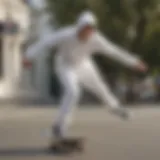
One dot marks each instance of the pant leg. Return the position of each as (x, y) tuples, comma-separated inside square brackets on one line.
[(71, 93), (90, 78)]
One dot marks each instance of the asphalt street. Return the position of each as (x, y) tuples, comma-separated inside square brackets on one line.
[(24, 134)]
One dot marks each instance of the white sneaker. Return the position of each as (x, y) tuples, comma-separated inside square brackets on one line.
[(123, 113)]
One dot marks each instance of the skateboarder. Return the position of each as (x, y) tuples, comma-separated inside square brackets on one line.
[(74, 66)]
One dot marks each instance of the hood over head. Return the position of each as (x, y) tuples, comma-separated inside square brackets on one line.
[(86, 18)]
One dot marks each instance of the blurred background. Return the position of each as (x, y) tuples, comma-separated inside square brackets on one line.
[(29, 95), (134, 25)]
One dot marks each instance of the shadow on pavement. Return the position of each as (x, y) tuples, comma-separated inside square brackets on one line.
[(30, 152)]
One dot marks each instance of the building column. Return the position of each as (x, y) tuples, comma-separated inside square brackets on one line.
[(17, 59), (9, 80), (7, 58)]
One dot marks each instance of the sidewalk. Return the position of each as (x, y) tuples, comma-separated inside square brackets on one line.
[(29, 97), (12, 94)]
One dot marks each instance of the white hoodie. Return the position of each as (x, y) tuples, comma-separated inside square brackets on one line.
[(72, 51)]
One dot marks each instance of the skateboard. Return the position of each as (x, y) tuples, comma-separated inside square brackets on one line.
[(68, 145)]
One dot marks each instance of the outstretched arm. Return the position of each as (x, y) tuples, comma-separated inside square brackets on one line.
[(47, 42), (113, 51)]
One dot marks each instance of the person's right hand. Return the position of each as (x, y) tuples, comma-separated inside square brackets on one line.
[(26, 63)]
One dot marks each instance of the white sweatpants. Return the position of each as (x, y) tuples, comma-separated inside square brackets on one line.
[(71, 79)]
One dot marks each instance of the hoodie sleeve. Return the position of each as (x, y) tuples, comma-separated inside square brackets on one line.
[(111, 50), (45, 43)]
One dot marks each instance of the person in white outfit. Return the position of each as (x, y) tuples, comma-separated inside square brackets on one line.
[(74, 66)]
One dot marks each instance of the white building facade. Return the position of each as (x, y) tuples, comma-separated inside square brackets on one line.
[(12, 12)]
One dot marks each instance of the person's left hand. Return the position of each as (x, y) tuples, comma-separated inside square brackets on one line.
[(142, 67)]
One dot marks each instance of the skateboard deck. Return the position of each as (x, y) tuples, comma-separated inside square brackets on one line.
[(68, 145)]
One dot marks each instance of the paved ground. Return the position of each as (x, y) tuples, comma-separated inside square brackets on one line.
[(23, 134)]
